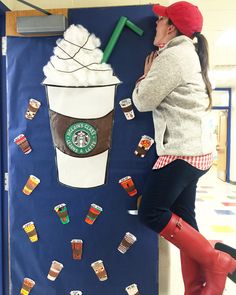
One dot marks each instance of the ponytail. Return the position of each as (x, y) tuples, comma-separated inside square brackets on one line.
[(202, 51)]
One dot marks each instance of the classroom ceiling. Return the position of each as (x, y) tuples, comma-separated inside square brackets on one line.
[(219, 22)]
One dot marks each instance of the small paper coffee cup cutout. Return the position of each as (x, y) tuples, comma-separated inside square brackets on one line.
[(62, 213), (127, 241), (127, 108), (27, 286), (54, 270), (31, 232), (99, 270), (31, 184), (93, 213), (23, 144), (77, 249), (32, 108), (128, 184), (132, 290), (143, 146)]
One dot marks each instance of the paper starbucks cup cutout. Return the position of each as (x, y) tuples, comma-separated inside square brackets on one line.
[(62, 213), (133, 212), (27, 286), (32, 109), (80, 92), (128, 185), (31, 184), (54, 270), (132, 290), (93, 213), (127, 108), (127, 241), (31, 232), (99, 270), (23, 144), (77, 249), (76, 292), (143, 146)]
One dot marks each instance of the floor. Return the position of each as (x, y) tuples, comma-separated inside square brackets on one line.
[(216, 216)]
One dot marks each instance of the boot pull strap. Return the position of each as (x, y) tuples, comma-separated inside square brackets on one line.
[(178, 227)]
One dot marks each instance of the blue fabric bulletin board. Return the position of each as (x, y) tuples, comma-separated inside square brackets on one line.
[(25, 60), (3, 167)]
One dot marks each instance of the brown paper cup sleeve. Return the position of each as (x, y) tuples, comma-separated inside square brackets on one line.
[(32, 109), (140, 150), (92, 215), (53, 273), (62, 214), (126, 244), (127, 109), (32, 233), (130, 188), (60, 124)]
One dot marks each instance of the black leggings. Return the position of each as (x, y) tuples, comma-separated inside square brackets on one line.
[(170, 189)]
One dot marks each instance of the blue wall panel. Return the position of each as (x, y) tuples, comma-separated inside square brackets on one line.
[(25, 60), (3, 168)]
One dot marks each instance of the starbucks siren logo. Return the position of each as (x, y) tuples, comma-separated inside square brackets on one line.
[(81, 138)]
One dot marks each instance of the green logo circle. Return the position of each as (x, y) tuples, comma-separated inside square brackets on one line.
[(81, 138)]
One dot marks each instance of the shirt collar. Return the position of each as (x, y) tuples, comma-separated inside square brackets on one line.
[(176, 41)]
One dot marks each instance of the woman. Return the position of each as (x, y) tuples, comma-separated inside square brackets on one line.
[(176, 88)]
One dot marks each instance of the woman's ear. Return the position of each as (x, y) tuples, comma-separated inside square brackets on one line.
[(171, 29)]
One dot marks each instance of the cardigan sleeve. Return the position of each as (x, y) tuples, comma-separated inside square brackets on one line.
[(163, 77)]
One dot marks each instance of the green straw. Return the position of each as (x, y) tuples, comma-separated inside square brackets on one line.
[(123, 21)]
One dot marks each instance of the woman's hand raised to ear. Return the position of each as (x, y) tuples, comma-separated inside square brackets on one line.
[(149, 60)]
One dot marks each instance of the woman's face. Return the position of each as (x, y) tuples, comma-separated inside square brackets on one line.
[(162, 29)]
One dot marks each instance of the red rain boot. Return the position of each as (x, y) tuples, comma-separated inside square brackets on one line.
[(216, 264), (193, 275)]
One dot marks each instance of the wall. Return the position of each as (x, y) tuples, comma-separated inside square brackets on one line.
[(233, 137), (9, 3), (224, 76), (78, 3), (3, 166)]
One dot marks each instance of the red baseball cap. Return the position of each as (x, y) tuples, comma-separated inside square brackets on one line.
[(185, 16)]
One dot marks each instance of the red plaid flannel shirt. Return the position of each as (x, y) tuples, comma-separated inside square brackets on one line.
[(200, 162)]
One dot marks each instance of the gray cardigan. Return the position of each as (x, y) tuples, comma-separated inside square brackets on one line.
[(176, 94)]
